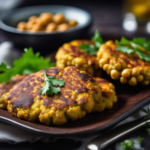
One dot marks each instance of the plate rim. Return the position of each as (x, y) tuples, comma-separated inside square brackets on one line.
[(81, 131)]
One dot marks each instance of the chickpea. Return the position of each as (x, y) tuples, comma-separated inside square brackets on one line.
[(62, 27), (33, 19), (72, 23), (145, 82), (105, 67), (123, 80), (102, 62), (114, 74), (51, 27), (59, 18), (133, 81), (46, 18), (109, 43), (147, 76), (140, 78), (109, 69), (21, 26), (117, 66), (126, 73), (35, 28), (123, 66), (135, 71)]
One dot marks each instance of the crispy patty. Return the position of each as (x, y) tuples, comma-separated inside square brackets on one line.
[(77, 98), (127, 68), (70, 55), (108, 95), (5, 88)]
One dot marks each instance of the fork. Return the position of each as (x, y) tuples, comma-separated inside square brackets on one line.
[(109, 137)]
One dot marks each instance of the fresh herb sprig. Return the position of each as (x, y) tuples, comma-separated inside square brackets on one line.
[(28, 63), (127, 144), (92, 49), (49, 83), (135, 45), (140, 139)]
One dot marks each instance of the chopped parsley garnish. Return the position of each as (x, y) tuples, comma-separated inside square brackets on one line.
[(114, 55), (135, 45), (92, 49), (49, 83), (28, 63), (140, 139), (147, 111), (127, 144)]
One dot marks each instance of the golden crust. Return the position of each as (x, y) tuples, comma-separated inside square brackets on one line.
[(5, 87), (124, 67), (77, 98), (70, 55), (108, 95)]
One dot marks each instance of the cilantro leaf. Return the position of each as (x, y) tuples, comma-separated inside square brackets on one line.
[(142, 42), (127, 144), (53, 90), (114, 55), (137, 45), (97, 39), (28, 63), (49, 82), (3, 67), (92, 49), (148, 129), (140, 139), (147, 111), (88, 48), (125, 49)]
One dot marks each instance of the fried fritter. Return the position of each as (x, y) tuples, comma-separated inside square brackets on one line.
[(124, 67), (77, 98), (70, 55), (5, 87), (108, 95)]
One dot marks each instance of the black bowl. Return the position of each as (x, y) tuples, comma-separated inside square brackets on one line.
[(42, 41)]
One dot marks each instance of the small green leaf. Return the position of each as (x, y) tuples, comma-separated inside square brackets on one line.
[(28, 63), (3, 67), (92, 49), (140, 139), (127, 144), (114, 55), (49, 83), (148, 129), (125, 49)]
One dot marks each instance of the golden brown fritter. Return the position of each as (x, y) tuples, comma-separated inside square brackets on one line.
[(5, 87), (70, 55), (127, 68), (77, 98), (108, 95)]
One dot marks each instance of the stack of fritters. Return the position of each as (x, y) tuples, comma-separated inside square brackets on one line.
[(80, 95), (124, 67), (70, 55), (5, 88)]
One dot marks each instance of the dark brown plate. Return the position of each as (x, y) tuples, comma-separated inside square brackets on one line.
[(130, 99)]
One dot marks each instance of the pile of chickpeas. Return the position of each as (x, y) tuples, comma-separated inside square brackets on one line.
[(47, 22)]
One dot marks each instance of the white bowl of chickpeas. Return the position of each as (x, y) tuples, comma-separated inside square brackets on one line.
[(47, 26)]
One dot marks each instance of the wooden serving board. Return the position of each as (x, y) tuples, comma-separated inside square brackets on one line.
[(130, 99)]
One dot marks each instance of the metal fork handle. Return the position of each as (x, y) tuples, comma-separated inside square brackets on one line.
[(107, 138)]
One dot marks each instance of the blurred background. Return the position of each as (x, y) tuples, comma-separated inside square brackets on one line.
[(113, 19)]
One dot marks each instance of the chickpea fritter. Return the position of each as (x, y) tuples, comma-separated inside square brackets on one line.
[(77, 98), (70, 55), (5, 88), (108, 95), (124, 67)]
